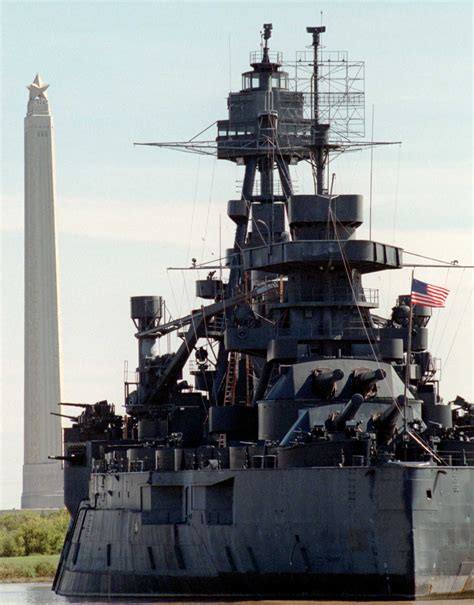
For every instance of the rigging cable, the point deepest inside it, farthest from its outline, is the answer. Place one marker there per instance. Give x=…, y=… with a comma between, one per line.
x=168, y=336
x=468, y=300
x=435, y=327
x=190, y=307
x=402, y=411
x=448, y=318
x=363, y=322
x=173, y=293
x=394, y=217
x=437, y=260
x=371, y=174
x=194, y=208
x=192, y=221
x=208, y=209
x=193, y=318
x=397, y=189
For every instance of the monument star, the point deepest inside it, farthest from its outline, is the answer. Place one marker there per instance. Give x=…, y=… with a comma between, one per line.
x=37, y=88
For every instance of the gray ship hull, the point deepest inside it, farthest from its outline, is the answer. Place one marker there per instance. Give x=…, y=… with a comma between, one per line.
x=401, y=530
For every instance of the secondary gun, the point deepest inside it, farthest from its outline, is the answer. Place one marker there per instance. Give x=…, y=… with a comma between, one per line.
x=73, y=418
x=70, y=458
x=324, y=383
x=386, y=423
x=350, y=410
x=365, y=381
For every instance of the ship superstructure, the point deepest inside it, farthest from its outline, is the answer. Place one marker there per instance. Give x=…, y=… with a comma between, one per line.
x=314, y=455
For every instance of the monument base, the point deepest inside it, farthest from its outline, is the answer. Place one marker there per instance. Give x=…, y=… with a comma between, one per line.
x=40, y=486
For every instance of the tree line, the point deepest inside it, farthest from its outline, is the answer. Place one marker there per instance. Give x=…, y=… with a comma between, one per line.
x=29, y=532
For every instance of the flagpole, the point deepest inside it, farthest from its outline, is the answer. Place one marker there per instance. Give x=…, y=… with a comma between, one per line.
x=408, y=363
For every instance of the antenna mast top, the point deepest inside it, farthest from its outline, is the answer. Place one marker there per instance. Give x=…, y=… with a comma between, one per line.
x=320, y=131
x=316, y=31
x=267, y=34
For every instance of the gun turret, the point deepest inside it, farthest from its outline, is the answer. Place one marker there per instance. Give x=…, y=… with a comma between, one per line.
x=462, y=404
x=349, y=411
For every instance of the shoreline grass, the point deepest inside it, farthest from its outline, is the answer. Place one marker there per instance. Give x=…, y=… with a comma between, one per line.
x=32, y=568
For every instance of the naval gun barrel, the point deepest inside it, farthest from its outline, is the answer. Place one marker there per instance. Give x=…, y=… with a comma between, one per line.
x=349, y=411
x=372, y=376
x=386, y=424
x=324, y=383
x=73, y=418
x=327, y=379
x=365, y=381
x=75, y=405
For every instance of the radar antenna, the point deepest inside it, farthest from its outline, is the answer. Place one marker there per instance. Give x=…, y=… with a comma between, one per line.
x=334, y=108
x=319, y=131
x=266, y=35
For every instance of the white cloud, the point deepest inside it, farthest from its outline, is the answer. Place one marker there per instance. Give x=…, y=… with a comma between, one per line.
x=166, y=222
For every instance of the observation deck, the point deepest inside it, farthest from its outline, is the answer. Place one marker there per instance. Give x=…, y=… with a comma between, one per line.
x=364, y=255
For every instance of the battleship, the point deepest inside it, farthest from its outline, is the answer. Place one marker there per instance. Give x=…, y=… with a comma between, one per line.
x=296, y=443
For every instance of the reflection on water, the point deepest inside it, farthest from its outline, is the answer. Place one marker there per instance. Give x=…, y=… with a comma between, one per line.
x=41, y=594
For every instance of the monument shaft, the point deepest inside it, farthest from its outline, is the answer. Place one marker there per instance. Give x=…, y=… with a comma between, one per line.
x=42, y=478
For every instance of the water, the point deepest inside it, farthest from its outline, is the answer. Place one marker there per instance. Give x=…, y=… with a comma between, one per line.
x=41, y=594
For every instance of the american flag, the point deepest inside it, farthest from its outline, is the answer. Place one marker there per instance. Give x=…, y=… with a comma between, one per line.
x=427, y=294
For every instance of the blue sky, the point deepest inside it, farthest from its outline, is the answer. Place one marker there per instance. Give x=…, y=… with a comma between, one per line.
x=121, y=72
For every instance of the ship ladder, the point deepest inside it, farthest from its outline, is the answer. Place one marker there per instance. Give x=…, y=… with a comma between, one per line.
x=231, y=379
x=229, y=392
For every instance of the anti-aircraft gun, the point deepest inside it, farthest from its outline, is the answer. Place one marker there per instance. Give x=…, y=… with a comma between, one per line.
x=94, y=428
x=96, y=420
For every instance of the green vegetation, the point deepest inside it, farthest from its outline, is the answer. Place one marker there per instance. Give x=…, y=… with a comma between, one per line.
x=30, y=543
x=25, y=533
x=33, y=568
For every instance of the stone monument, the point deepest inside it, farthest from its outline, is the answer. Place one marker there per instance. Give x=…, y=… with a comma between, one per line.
x=42, y=478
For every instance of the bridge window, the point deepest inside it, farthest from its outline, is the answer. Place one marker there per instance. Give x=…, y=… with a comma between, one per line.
x=250, y=80
x=280, y=80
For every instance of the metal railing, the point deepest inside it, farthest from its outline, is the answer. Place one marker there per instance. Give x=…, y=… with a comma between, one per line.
x=256, y=56
x=354, y=330
x=342, y=294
